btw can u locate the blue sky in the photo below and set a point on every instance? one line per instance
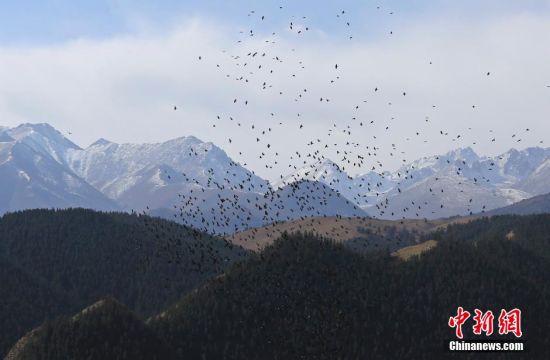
(25, 22)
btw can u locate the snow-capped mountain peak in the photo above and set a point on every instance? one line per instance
(33, 175)
(113, 168)
(322, 170)
(43, 139)
(39, 167)
(510, 177)
(101, 142)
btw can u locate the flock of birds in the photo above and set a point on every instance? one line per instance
(256, 66)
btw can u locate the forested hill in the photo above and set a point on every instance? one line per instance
(57, 262)
(105, 330)
(309, 298)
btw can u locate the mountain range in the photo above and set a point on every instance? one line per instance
(54, 262)
(197, 183)
(300, 297)
(459, 182)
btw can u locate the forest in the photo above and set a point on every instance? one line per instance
(304, 297)
(55, 263)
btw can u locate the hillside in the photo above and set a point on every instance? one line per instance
(409, 252)
(25, 302)
(338, 304)
(459, 182)
(361, 231)
(105, 330)
(221, 211)
(72, 258)
(536, 205)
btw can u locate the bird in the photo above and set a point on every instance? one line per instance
(357, 143)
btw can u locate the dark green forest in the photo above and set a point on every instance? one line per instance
(106, 330)
(310, 298)
(55, 263)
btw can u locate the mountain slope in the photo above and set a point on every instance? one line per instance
(138, 255)
(197, 183)
(30, 178)
(337, 304)
(489, 182)
(334, 302)
(448, 193)
(81, 256)
(309, 198)
(536, 205)
(121, 170)
(357, 233)
(26, 302)
(537, 183)
(43, 139)
(223, 211)
(105, 330)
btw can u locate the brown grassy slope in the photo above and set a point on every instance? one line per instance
(339, 229)
(408, 252)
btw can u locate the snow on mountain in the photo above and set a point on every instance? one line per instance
(418, 170)
(193, 180)
(43, 139)
(4, 136)
(461, 174)
(518, 165)
(199, 184)
(447, 193)
(116, 169)
(362, 190)
(538, 181)
(324, 171)
(371, 187)
(31, 178)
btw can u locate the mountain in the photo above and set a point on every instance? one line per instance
(32, 174)
(26, 302)
(223, 212)
(358, 233)
(448, 193)
(537, 205)
(121, 171)
(324, 171)
(339, 304)
(309, 199)
(459, 182)
(196, 183)
(537, 182)
(183, 179)
(43, 139)
(358, 190)
(105, 330)
(70, 258)
(515, 165)
(335, 302)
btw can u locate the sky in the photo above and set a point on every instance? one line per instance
(116, 69)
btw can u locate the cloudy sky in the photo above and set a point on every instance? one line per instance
(116, 69)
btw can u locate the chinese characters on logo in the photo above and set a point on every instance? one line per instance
(509, 322)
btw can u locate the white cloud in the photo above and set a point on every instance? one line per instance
(125, 88)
